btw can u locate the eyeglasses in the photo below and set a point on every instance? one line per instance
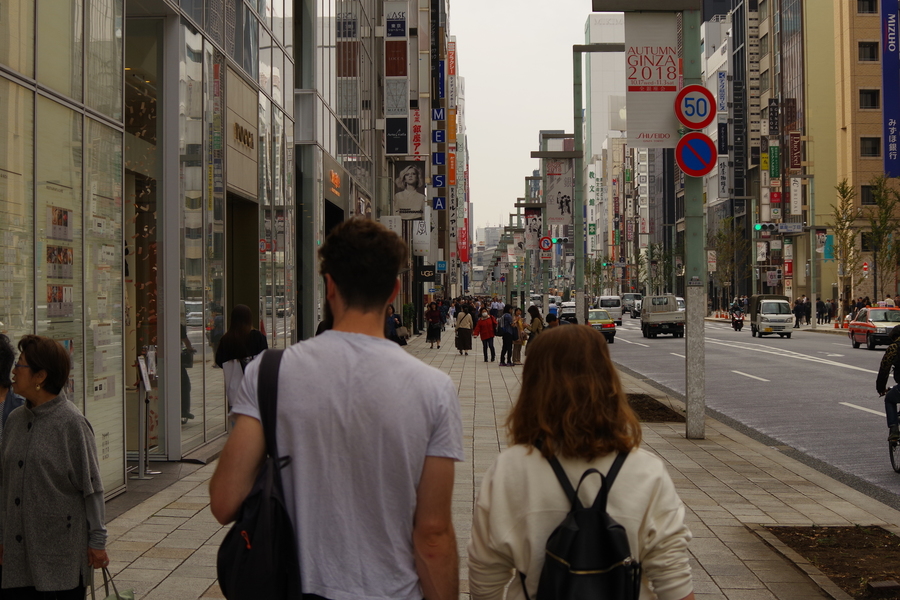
(21, 366)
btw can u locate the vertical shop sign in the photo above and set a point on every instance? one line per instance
(422, 234)
(796, 195)
(774, 128)
(722, 92)
(396, 83)
(890, 84)
(652, 72)
(560, 191)
(774, 160)
(796, 150)
(395, 16)
(451, 72)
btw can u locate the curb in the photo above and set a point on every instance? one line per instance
(818, 577)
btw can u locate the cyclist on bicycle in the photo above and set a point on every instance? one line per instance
(891, 396)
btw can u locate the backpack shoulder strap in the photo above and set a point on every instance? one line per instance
(608, 479)
(564, 482)
(267, 393)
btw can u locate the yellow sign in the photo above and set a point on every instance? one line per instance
(764, 161)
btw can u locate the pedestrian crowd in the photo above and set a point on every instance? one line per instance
(368, 437)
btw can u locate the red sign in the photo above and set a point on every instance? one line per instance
(696, 154)
(865, 267)
(695, 106)
(788, 268)
(775, 197)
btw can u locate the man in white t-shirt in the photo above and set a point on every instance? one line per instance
(373, 434)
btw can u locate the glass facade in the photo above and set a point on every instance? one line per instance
(61, 220)
(207, 127)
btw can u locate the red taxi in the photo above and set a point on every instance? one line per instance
(873, 326)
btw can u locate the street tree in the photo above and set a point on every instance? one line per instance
(659, 271)
(732, 255)
(884, 228)
(846, 245)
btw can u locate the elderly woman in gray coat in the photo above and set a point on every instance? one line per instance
(51, 495)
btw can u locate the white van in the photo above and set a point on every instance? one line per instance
(612, 305)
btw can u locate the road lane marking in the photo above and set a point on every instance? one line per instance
(635, 343)
(869, 410)
(750, 376)
(787, 354)
(678, 355)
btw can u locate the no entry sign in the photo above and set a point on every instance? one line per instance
(696, 154)
(695, 107)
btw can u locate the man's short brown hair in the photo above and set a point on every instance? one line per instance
(363, 257)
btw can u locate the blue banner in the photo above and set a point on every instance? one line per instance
(890, 85)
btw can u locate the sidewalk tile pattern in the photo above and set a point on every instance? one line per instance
(165, 547)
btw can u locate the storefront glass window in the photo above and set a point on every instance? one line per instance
(265, 61)
(215, 19)
(251, 43)
(214, 239)
(59, 64)
(17, 33)
(194, 349)
(16, 210)
(60, 265)
(289, 42)
(103, 298)
(278, 76)
(278, 19)
(267, 292)
(104, 58)
(142, 166)
(193, 9)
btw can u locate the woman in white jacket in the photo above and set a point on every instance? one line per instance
(572, 402)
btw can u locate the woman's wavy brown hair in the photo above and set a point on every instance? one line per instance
(571, 397)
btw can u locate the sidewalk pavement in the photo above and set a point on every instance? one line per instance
(165, 547)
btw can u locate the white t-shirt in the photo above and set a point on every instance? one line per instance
(358, 416)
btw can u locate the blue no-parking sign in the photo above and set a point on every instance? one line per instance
(696, 154)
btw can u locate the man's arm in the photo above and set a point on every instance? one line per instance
(884, 371)
(239, 463)
(434, 540)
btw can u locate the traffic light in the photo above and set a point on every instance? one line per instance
(768, 227)
(559, 240)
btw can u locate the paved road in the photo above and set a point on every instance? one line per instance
(813, 393)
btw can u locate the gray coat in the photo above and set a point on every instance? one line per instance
(48, 467)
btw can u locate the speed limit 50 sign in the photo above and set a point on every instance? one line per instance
(695, 107)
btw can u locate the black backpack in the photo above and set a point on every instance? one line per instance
(588, 555)
(258, 557)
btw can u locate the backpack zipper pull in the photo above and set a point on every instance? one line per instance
(246, 539)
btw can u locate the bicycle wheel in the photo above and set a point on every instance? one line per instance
(894, 449)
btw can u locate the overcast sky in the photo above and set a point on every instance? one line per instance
(516, 58)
